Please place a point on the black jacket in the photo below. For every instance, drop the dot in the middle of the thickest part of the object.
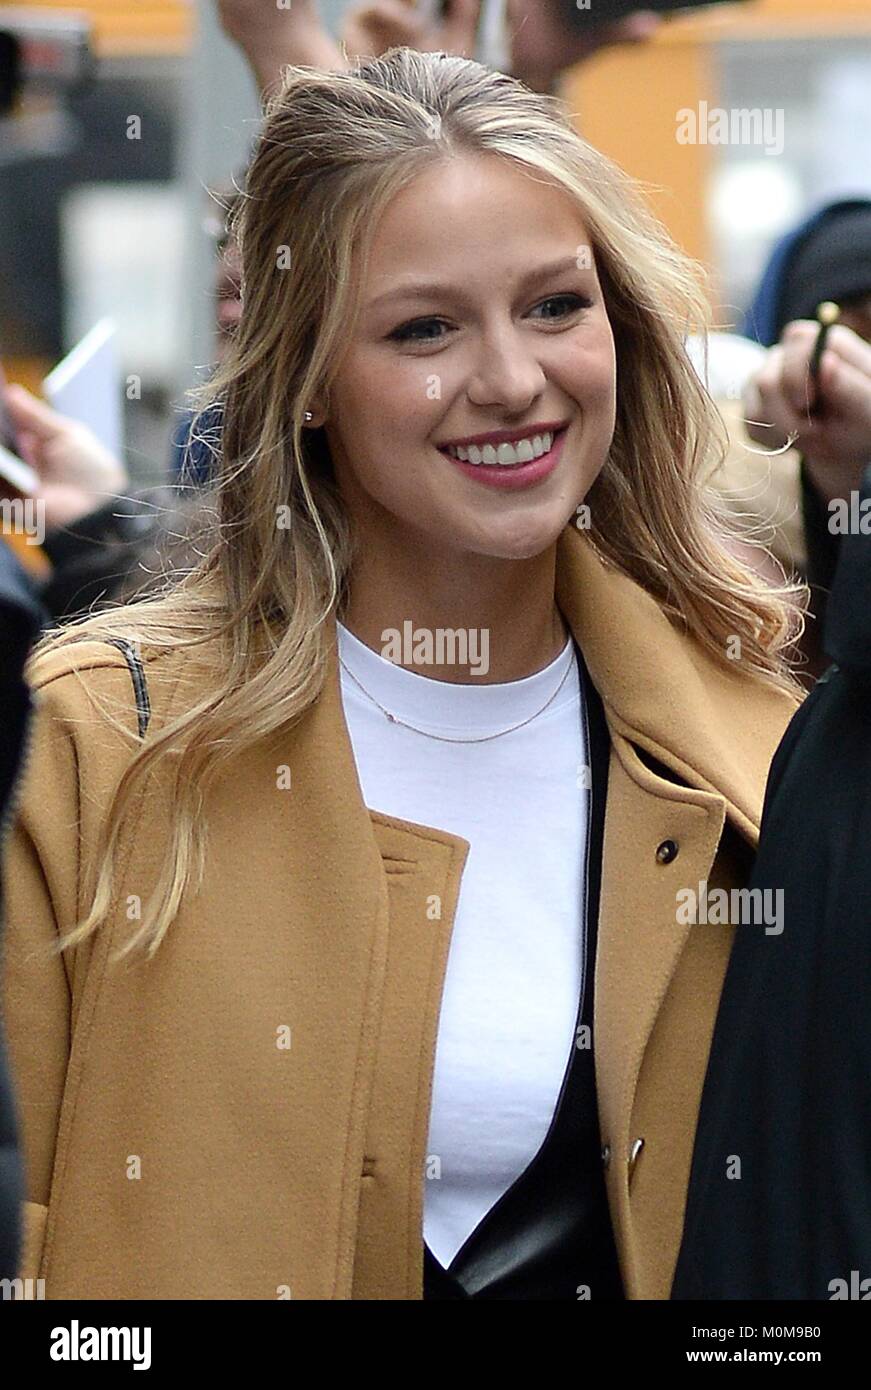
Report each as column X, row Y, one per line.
column 788, row 1089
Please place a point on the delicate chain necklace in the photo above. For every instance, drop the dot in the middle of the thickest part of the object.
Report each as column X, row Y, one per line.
column 444, row 738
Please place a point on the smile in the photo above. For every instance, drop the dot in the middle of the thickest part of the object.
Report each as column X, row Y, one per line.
column 504, row 455
column 519, row 463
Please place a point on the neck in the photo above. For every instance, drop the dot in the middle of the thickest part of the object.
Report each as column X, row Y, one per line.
column 503, row 607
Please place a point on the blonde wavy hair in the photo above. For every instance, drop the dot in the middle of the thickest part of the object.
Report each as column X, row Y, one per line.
column 335, row 148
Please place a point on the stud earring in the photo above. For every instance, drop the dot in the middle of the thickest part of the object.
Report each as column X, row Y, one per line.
column 308, row 416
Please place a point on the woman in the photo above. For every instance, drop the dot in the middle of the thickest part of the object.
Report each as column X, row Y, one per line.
column 254, row 1068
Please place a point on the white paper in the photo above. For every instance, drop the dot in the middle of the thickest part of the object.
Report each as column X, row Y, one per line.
column 86, row 385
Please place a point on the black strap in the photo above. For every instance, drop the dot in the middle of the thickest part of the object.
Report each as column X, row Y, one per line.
column 137, row 675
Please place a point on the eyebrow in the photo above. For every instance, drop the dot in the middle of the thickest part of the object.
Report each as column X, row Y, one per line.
column 428, row 289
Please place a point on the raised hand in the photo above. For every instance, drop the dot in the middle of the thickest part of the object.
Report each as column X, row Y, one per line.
column 76, row 473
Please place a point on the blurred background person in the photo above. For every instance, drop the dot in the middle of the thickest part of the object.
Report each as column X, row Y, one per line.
column 793, row 446
column 826, row 258
column 541, row 42
column 94, row 525
column 194, row 451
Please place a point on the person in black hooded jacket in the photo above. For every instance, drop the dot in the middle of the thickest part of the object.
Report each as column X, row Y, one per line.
column 779, row 1202
column 826, row 257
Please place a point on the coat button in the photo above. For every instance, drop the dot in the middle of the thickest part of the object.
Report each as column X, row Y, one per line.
column 666, row 852
column 606, row 1155
column 637, row 1146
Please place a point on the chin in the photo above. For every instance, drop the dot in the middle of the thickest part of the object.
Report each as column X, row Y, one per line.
column 524, row 544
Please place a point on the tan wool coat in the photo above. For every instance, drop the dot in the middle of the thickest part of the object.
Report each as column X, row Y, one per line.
column 245, row 1115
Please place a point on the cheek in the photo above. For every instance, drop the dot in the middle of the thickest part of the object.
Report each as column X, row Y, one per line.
column 387, row 412
column 599, row 384
column 389, row 396
column 588, row 370
column 384, row 402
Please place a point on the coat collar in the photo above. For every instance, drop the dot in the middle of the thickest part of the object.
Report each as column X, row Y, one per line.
column 716, row 729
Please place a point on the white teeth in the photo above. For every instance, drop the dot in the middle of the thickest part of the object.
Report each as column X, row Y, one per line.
column 505, row 455
column 524, row 450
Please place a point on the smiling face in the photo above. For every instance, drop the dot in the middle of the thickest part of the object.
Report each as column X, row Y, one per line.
column 480, row 316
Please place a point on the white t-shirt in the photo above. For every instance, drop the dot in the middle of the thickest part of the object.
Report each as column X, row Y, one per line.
column 512, row 986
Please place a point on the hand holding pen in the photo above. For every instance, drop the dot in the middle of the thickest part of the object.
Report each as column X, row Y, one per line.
column 828, row 314
column 814, row 391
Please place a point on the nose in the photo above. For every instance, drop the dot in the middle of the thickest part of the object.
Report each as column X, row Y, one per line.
column 507, row 373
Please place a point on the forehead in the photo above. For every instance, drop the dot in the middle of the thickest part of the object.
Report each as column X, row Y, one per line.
column 473, row 210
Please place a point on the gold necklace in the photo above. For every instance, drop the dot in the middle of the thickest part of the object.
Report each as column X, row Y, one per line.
column 444, row 738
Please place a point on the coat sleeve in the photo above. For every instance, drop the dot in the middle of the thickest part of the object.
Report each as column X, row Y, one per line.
column 41, row 881
column 83, row 732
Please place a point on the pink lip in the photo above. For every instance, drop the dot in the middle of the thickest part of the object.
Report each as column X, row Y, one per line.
column 512, row 475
